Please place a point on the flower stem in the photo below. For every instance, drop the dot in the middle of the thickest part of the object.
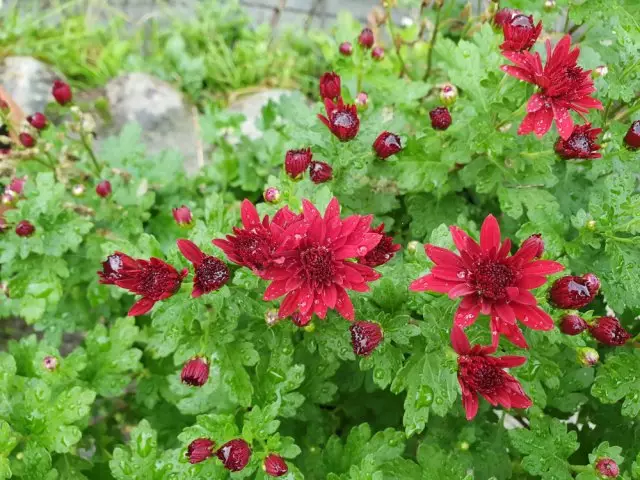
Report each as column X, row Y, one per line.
column 566, row 21
column 397, row 44
column 92, row 155
column 579, row 468
column 432, row 44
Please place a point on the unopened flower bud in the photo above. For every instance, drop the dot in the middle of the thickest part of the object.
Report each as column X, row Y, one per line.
column 366, row 38
column 608, row 331
column 365, row 337
column 37, row 121
column 549, row 5
column 272, row 195
column 440, row 118
column 78, row 190
column 274, row 465
column 587, row 356
column 412, row 246
column 234, row 454
column 25, row 228
column 182, row 216
column 362, row 101
column 377, row 53
column 320, row 172
column 195, row 372
column 607, row 468
column 346, row 49
column 50, row 363
column 572, row 325
column 600, row 71
column 632, row 138
column 271, row 317
column 61, row 92
column 104, row 189
column 448, row 94
column 591, row 225
column 27, row 140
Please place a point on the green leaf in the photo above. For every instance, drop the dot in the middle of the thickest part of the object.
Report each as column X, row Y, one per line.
column 137, row 460
column 618, row 379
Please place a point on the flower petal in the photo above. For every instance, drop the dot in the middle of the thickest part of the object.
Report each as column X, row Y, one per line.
column 190, row 251
column 490, row 234
column 141, row 307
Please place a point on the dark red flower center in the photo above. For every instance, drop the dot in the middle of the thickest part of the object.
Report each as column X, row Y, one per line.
column 318, row 265
column 580, row 143
column 480, row 374
column 522, row 22
column 491, row 279
column 212, row 274
column 344, row 119
column 156, row 281
column 253, row 248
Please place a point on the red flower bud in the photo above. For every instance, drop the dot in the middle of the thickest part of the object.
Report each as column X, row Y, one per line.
column 607, row 468
column 448, row 94
column 25, row 229
column 574, row 292
column 346, row 49
column 387, row 144
column 440, row 118
column 199, row 450
column 274, row 465
column 607, row 330
column 271, row 195
column 50, row 363
column 330, row 85
column 296, row 162
column 320, row 172
column 632, row 138
column 17, row 185
column 505, row 15
column 26, row 140
column 520, row 33
column 341, row 119
column 535, row 239
column 377, row 53
column 195, row 372
column 61, row 92
column 234, row 454
column 37, row 120
column 581, row 144
column 572, row 325
column 182, row 215
column 366, row 38
column 104, row 189
column 362, row 101
column 365, row 337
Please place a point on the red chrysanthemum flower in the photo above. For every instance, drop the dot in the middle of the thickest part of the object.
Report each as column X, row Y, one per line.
column 195, row 372
column 182, row 215
column 320, row 172
column 235, row 454
column 440, row 118
column 520, row 33
column 117, row 267
column 152, row 279
column 38, row 121
column 274, row 465
column 61, row 91
column 365, row 337
column 480, row 373
column 254, row 245
column 581, row 143
column 330, row 85
column 564, row 86
column 341, row 119
column 504, row 16
column 572, row 291
column 211, row 272
column 607, row 330
column 25, row 228
column 199, row 450
column 297, row 161
column 366, row 38
column 316, row 271
column 490, row 280
column 381, row 253
column 387, row 144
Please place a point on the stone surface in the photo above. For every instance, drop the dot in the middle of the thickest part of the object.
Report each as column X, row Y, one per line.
column 28, row 81
column 168, row 122
column 251, row 107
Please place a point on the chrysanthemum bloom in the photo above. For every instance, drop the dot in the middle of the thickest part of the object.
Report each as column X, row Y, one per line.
column 365, row 337
column 377, row 53
column 490, row 280
column 504, row 16
column 37, row 120
column 199, row 450
column 320, row 172
column 116, row 267
column 182, row 215
column 330, row 85
column 440, row 118
column 632, row 138
column 235, row 454
column 297, row 161
column 387, row 144
column 535, row 239
column 26, row 140
column 152, row 279
column 480, row 373
column 254, row 245
column 581, row 143
column 563, row 86
column 274, row 465
column 195, row 372
column 316, row 269
column 61, row 91
column 510, row 330
column 103, row 189
column 574, row 292
column 341, row 119
column 381, row 253
column 520, row 33
column 608, row 330
column 607, row 468
column 25, row 228
column 572, row 325
column 211, row 272
column 346, row 48
column 366, row 38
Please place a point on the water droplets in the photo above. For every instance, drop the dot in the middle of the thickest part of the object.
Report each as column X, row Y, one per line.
column 424, row 396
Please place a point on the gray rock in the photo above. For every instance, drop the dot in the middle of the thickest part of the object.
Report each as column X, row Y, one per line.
column 251, row 107
column 28, row 81
column 167, row 120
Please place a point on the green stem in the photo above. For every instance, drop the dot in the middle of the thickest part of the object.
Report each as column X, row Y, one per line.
column 397, row 45
column 432, row 44
column 580, row 468
column 566, row 21
column 629, row 240
column 92, row 155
